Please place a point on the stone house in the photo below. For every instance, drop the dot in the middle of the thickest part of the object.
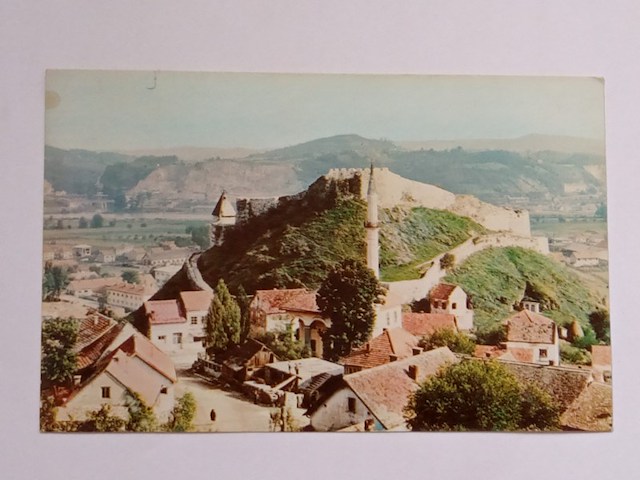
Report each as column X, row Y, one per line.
column 452, row 300
column 532, row 337
column 239, row 363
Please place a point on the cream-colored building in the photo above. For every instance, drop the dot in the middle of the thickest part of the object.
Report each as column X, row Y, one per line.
column 452, row 299
column 532, row 338
column 128, row 295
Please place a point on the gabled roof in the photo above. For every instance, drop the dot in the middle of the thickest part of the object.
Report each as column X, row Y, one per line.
column 140, row 346
column 91, row 327
column 196, row 301
column 271, row 301
column 441, row 291
column 129, row 365
column 530, row 327
column 600, row 355
column 91, row 353
column 223, row 208
column 304, row 302
column 93, row 283
column 421, row 324
column 161, row 312
column 385, row 390
column 307, row 368
column 378, row 350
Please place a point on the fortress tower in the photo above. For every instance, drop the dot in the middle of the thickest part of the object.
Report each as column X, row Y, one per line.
column 373, row 230
column 223, row 215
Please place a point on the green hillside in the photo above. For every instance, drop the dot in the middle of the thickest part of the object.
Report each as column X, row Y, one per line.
column 296, row 243
column 410, row 238
column 497, row 278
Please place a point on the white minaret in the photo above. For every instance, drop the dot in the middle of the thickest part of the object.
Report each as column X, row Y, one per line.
column 373, row 247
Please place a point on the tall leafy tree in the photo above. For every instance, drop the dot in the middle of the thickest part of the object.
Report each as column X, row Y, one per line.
column 245, row 314
column 130, row 276
column 599, row 320
column 479, row 395
column 223, row 320
column 348, row 297
column 54, row 280
column 97, row 221
column 58, row 357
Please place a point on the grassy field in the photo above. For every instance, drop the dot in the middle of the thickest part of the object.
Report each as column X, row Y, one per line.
column 138, row 231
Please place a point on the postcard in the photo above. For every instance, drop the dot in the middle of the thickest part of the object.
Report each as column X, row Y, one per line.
column 234, row 252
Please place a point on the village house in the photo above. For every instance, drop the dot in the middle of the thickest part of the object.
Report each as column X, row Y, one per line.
column 162, row 258
column 532, row 337
column 106, row 255
column 133, row 255
column 136, row 366
column 601, row 363
column 374, row 399
column 426, row 324
column 390, row 346
column 388, row 315
column 177, row 327
column 452, row 300
column 82, row 251
column 91, row 287
column 129, row 296
column 279, row 309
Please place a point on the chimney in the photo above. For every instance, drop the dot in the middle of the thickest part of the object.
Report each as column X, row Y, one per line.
column 416, row 350
column 393, row 357
column 76, row 380
column 413, row 372
column 367, row 347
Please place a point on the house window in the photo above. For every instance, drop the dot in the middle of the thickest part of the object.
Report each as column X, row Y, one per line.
column 194, row 320
column 162, row 338
column 177, row 338
column 351, row 404
column 163, row 390
column 453, row 306
column 543, row 353
column 106, row 392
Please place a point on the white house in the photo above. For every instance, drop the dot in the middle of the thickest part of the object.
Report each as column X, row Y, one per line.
column 177, row 327
column 452, row 299
column 374, row 398
column 136, row 366
column 128, row 295
column 533, row 338
column 81, row 251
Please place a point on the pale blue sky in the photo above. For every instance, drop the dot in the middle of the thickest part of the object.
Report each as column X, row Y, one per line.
column 116, row 110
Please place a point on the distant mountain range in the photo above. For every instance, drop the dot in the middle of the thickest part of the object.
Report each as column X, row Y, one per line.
column 531, row 165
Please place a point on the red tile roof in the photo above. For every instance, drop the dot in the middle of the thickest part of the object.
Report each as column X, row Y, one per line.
column 140, row 346
column 91, row 327
column 385, row 389
column 93, row 283
column 160, row 312
column 441, row 291
column 377, row 351
column 530, row 327
column 601, row 355
column 304, row 302
column 196, row 301
column 92, row 353
column 271, row 301
column 129, row 288
column 421, row 324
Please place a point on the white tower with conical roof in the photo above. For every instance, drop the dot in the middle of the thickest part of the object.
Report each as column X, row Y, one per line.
column 371, row 225
column 223, row 215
